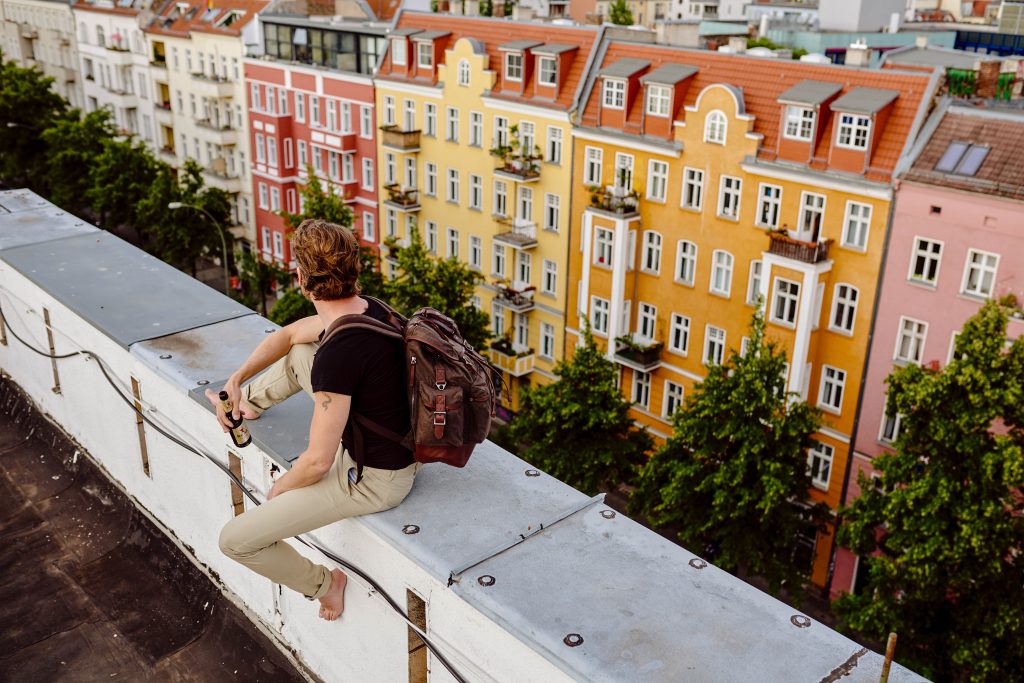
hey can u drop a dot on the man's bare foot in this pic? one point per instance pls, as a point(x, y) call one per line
point(333, 602)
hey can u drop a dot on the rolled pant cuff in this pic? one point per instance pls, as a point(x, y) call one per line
point(324, 586)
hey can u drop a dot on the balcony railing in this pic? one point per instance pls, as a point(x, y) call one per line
point(521, 233)
point(519, 169)
point(403, 199)
point(511, 358)
point(781, 244)
point(517, 296)
point(638, 353)
point(614, 199)
point(402, 140)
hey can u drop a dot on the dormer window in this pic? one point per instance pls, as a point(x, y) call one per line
point(658, 100)
point(715, 127)
point(425, 55)
point(799, 123)
point(463, 72)
point(614, 94)
point(547, 71)
point(514, 66)
point(853, 131)
point(399, 52)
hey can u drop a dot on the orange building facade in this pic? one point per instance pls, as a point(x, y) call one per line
point(706, 182)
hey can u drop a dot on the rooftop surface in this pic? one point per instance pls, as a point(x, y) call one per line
point(92, 590)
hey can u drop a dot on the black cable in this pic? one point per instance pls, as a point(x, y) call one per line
point(241, 485)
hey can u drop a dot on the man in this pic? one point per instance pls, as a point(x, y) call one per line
point(356, 369)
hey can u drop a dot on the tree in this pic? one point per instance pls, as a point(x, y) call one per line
point(578, 428)
point(941, 535)
point(291, 307)
point(74, 145)
point(447, 285)
point(258, 278)
point(619, 13)
point(735, 466)
point(119, 181)
point(28, 105)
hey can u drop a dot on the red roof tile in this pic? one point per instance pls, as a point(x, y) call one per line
point(191, 20)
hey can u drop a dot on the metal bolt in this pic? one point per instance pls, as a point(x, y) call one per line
point(486, 580)
point(269, 330)
point(410, 529)
point(800, 621)
point(608, 514)
point(573, 640)
point(203, 382)
point(698, 563)
point(532, 473)
point(165, 356)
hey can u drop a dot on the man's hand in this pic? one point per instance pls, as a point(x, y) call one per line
point(234, 396)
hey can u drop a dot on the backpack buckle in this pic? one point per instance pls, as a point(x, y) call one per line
point(443, 418)
point(441, 385)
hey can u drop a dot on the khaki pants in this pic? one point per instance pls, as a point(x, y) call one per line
point(256, 537)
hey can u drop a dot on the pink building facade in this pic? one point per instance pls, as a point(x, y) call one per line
point(956, 240)
point(300, 117)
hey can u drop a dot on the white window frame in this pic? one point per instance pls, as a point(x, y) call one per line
point(784, 298)
point(833, 384)
point(476, 129)
point(754, 281)
point(651, 260)
point(812, 206)
point(452, 243)
point(856, 225)
point(369, 227)
point(463, 73)
point(693, 189)
point(554, 145)
point(547, 71)
point(769, 197)
point(547, 341)
point(430, 119)
point(452, 186)
point(600, 313)
point(613, 93)
point(844, 308)
point(399, 52)
point(659, 100)
point(593, 165)
point(604, 240)
point(682, 258)
point(476, 248)
point(424, 54)
point(430, 178)
point(799, 123)
point(552, 211)
point(451, 124)
point(498, 260)
point(928, 255)
point(514, 67)
point(853, 131)
point(641, 393)
point(549, 278)
point(984, 268)
point(657, 180)
point(714, 338)
point(672, 397)
point(679, 334)
point(820, 458)
point(730, 193)
point(500, 198)
point(646, 321)
point(716, 128)
point(720, 264)
point(915, 333)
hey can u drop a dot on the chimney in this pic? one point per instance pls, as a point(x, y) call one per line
point(520, 13)
point(471, 8)
point(921, 41)
point(762, 31)
point(988, 78)
point(738, 44)
point(858, 54)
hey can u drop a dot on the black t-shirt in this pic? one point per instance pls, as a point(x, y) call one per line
point(370, 368)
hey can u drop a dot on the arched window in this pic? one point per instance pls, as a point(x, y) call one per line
point(83, 33)
point(101, 39)
point(464, 72)
point(715, 126)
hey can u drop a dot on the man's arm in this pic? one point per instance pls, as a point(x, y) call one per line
point(330, 413)
point(273, 347)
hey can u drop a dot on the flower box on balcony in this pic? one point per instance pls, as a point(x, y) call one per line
point(637, 354)
point(781, 244)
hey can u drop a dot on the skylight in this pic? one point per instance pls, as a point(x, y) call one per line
point(962, 158)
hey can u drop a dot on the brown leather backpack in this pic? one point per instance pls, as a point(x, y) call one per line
point(452, 388)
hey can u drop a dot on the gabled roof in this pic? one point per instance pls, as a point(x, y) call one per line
point(865, 100)
point(494, 35)
point(762, 83)
point(172, 20)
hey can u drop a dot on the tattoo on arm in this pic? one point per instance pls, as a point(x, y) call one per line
point(327, 401)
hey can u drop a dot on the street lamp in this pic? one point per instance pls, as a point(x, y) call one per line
point(220, 231)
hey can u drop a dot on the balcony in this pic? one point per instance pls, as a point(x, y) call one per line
point(511, 358)
point(517, 296)
point(781, 244)
point(164, 113)
point(169, 155)
point(402, 199)
point(614, 200)
point(119, 56)
point(222, 134)
point(207, 86)
point(28, 31)
point(160, 64)
point(518, 169)
point(521, 233)
point(638, 353)
point(394, 138)
point(122, 98)
point(69, 74)
point(217, 175)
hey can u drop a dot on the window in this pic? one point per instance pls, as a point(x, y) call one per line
point(453, 243)
point(365, 122)
point(547, 340)
point(592, 166)
point(673, 399)
point(658, 98)
point(369, 233)
point(463, 72)
point(652, 253)
point(657, 182)
point(833, 381)
point(425, 55)
point(599, 315)
point(452, 194)
point(500, 131)
point(812, 213)
point(522, 330)
point(853, 131)
point(475, 252)
point(614, 94)
point(856, 225)
point(430, 173)
point(714, 345)
point(784, 305)
point(547, 71)
point(389, 110)
point(646, 321)
point(679, 334)
point(476, 129)
point(525, 207)
point(715, 126)
point(346, 117)
point(264, 202)
point(924, 261)
point(275, 199)
point(514, 66)
point(686, 262)
point(367, 173)
point(962, 158)
point(278, 245)
point(721, 272)
point(500, 198)
point(603, 246)
point(399, 52)
point(910, 342)
point(549, 281)
point(729, 197)
point(348, 168)
point(409, 115)
point(799, 123)
point(332, 115)
point(498, 319)
point(265, 243)
point(527, 139)
point(552, 211)
point(819, 464)
point(693, 188)
point(476, 192)
point(432, 237)
point(300, 107)
point(641, 388)
point(623, 178)
point(272, 151)
point(754, 282)
point(980, 273)
point(289, 158)
point(452, 125)
point(524, 266)
point(768, 203)
point(844, 308)
point(430, 119)
point(498, 259)
point(391, 220)
point(301, 148)
point(390, 172)
point(890, 426)
point(554, 146)
point(261, 149)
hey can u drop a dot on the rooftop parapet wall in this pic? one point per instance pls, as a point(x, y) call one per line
point(562, 564)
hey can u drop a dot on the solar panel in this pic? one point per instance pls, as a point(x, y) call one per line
point(972, 161)
point(951, 157)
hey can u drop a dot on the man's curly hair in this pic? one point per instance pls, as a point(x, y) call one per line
point(328, 255)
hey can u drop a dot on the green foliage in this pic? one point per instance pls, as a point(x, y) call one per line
point(578, 428)
point(735, 466)
point(258, 279)
point(28, 106)
point(120, 179)
point(290, 307)
point(943, 534)
point(446, 285)
point(619, 13)
point(74, 145)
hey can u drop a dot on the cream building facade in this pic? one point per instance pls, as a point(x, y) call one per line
point(41, 33)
